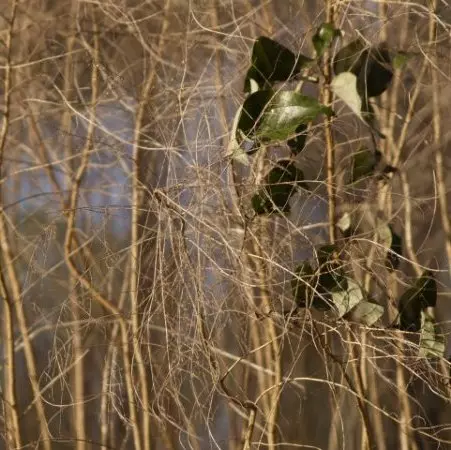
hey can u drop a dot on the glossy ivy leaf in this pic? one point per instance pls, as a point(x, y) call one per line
point(393, 256)
point(285, 112)
point(344, 224)
point(376, 72)
point(349, 58)
point(323, 38)
point(409, 317)
point(331, 276)
point(417, 298)
point(345, 300)
point(272, 62)
point(427, 290)
point(344, 86)
point(372, 67)
point(297, 144)
point(302, 285)
point(285, 171)
point(432, 343)
point(385, 234)
point(326, 253)
point(364, 163)
point(234, 150)
point(323, 283)
point(251, 111)
point(273, 199)
point(270, 116)
point(261, 204)
point(367, 313)
point(280, 184)
point(330, 281)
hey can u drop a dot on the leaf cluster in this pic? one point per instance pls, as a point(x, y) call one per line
point(275, 117)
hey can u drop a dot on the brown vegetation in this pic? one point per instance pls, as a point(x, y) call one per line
point(141, 309)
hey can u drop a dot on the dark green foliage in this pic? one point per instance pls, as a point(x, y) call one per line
point(326, 253)
point(323, 37)
point(318, 285)
point(302, 285)
point(349, 58)
point(366, 312)
point(372, 67)
point(432, 342)
point(280, 184)
point(272, 62)
point(331, 277)
point(392, 261)
point(376, 72)
point(297, 144)
point(367, 163)
point(410, 317)
point(417, 298)
point(270, 116)
point(364, 163)
point(252, 110)
point(400, 59)
point(427, 290)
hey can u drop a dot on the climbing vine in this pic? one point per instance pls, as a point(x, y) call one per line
point(272, 116)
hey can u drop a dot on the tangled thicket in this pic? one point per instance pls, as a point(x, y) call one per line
point(147, 290)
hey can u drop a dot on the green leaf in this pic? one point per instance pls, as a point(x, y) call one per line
point(251, 111)
point(302, 285)
point(432, 344)
point(366, 313)
point(376, 72)
point(325, 253)
point(364, 163)
point(234, 150)
point(385, 234)
point(344, 224)
point(344, 86)
point(272, 62)
point(297, 144)
point(331, 277)
point(329, 282)
point(395, 252)
point(427, 290)
point(409, 316)
point(280, 184)
point(284, 172)
point(372, 67)
point(270, 116)
point(417, 298)
point(322, 283)
point(261, 204)
point(401, 59)
point(323, 37)
point(287, 173)
point(285, 112)
point(346, 300)
point(240, 156)
point(349, 58)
